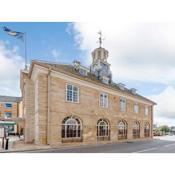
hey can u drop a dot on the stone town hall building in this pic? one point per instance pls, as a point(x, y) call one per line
point(71, 103)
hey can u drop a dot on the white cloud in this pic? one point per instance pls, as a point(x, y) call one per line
point(137, 51)
point(165, 108)
point(55, 53)
point(10, 65)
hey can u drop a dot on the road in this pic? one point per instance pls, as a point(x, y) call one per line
point(164, 144)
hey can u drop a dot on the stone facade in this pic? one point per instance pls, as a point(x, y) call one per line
point(45, 107)
point(87, 110)
point(28, 107)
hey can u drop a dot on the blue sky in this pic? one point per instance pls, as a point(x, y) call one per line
point(45, 39)
point(42, 39)
point(141, 55)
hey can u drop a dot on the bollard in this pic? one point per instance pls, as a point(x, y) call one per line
point(3, 142)
point(7, 144)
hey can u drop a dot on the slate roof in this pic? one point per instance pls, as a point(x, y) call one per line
point(69, 70)
point(9, 99)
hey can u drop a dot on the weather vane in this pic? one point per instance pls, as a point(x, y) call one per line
point(100, 38)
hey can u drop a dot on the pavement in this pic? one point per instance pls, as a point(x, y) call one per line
point(12, 140)
point(17, 144)
point(162, 144)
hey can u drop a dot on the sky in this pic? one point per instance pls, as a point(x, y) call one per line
point(142, 55)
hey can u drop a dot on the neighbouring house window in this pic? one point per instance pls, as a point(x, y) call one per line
point(146, 130)
point(103, 131)
point(71, 128)
point(136, 108)
point(8, 105)
point(136, 130)
point(104, 100)
point(146, 110)
point(8, 115)
point(122, 130)
point(122, 104)
point(72, 93)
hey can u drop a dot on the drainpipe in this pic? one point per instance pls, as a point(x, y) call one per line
point(48, 107)
point(152, 121)
point(17, 116)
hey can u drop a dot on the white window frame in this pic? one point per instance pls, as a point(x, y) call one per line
point(120, 106)
point(8, 107)
point(74, 125)
point(136, 108)
point(146, 110)
point(103, 100)
point(5, 116)
point(105, 80)
point(105, 126)
point(78, 93)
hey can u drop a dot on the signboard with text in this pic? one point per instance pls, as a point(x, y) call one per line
point(2, 132)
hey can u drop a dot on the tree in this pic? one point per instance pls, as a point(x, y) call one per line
point(164, 128)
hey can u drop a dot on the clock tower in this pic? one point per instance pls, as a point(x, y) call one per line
point(100, 67)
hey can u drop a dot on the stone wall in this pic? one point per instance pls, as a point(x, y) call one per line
point(43, 124)
point(29, 108)
point(89, 112)
point(41, 108)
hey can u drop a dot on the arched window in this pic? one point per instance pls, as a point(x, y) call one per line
point(136, 130)
point(71, 128)
point(103, 131)
point(146, 129)
point(122, 130)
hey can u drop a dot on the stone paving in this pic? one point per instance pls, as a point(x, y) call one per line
point(17, 144)
point(12, 140)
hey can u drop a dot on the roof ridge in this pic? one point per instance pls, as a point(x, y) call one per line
point(114, 85)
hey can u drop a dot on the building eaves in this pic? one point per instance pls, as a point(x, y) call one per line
point(9, 99)
point(69, 70)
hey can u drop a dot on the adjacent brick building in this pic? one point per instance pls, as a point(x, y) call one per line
point(63, 104)
point(9, 112)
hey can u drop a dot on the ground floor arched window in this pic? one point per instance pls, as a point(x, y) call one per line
point(146, 130)
point(122, 130)
point(136, 130)
point(103, 132)
point(71, 128)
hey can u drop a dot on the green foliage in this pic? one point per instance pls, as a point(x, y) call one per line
point(164, 128)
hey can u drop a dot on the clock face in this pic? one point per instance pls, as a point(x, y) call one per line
point(101, 69)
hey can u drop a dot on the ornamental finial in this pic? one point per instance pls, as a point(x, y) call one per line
point(100, 38)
